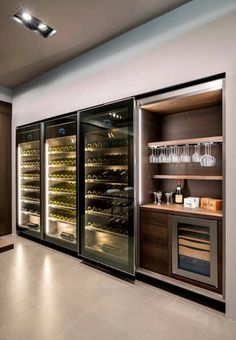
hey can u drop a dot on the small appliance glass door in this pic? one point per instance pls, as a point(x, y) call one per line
point(194, 249)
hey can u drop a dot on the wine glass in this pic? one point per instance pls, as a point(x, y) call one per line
point(171, 154)
point(161, 157)
point(151, 157)
point(168, 197)
point(196, 156)
point(159, 195)
point(185, 156)
point(207, 160)
point(175, 157)
point(156, 155)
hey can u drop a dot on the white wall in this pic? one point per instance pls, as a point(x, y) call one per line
point(5, 94)
point(191, 42)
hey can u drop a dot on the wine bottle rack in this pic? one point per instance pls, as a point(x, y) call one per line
point(103, 197)
point(105, 182)
point(98, 213)
point(29, 185)
point(29, 201)
point(61, 185)
point(30, 213)
point(107, 231)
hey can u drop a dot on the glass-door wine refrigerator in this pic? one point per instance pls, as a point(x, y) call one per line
point(106, 185)
point(47, 181)
point(29, 170)
point(61, 181)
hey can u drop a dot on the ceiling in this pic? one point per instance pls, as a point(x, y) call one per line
point(81, 25)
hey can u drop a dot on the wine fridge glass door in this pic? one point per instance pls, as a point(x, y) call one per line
point(61, 176)
point(107, 221)
point(29, 180)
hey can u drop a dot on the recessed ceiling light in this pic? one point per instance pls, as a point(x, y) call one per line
point(34, 24)
point(26, 16)
point(42, 27)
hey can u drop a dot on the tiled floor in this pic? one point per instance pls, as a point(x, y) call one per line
point(47, 295)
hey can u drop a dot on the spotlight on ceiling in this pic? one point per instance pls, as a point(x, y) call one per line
point(26, 16)
point(42, 27)
point(33, 23)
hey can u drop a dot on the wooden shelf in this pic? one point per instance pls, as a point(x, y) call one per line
point(191, 177)
point(178, 208)
point(185, 102)
point(215, 139)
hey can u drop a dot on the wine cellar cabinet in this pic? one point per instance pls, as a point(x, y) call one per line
point(181, 135)
point(106, 185)
point(47, 177)
point(75, 186)
point(29, 148)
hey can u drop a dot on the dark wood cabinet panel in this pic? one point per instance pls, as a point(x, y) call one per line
point(5, 168)
point(154, 248)
point(154, 217)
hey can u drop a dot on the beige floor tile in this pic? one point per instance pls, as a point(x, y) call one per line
point(48, 295)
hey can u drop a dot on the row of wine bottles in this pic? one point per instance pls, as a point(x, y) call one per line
point(107, 144)
point(109, 159)
point(67, 174)
point(109, 175)
point(66, 216)
point(62, 148)
point(31, 173)
point(63, 161)
point(31, 208)
point(115, 225)
point(108, 207)
point(111, 190)
point(65, 201)
point(31, 196)
point(64, 187)
point(29, 152)
point(31, 162)
point(31, 185)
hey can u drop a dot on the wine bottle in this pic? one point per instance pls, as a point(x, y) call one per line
point(179, 197)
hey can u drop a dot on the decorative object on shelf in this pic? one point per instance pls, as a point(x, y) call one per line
point(157, 197)
point(179, 197)
point(191, 202)
point(168, 197)
point(211, 203)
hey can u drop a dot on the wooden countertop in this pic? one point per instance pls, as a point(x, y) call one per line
point(179, 208)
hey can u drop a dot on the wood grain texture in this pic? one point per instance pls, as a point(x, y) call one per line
point(192, 177)
point(5, 108)
point(186, 102)
point(179, 208)
point(5, 169)
point(189, 141)
point(154, 250)
point(155, 232)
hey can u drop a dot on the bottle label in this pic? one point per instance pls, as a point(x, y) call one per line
point(179, 198)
